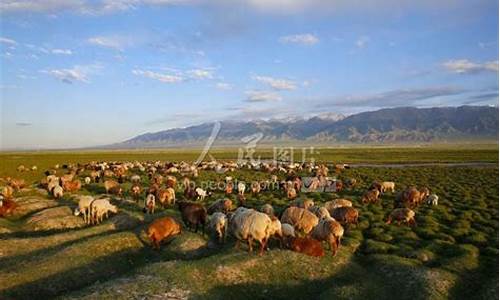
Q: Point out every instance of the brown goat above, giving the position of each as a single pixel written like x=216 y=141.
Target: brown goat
x=193 y=214
x=345 y=215
x=162 y=229
x=370 y=196
x=72 y=186
x=307 y=246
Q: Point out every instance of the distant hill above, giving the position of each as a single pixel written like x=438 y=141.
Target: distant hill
x=394 y=125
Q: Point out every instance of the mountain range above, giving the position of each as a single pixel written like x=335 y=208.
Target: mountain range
x=393 y=125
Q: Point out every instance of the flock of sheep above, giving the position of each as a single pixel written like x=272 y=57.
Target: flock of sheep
x=302 y=226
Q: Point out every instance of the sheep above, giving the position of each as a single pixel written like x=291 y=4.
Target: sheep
x=350 y=183
x=411 y=196
x=291 y=193
x=432 y=199
x=218 y=225
x=99 y=208
x=402 y=215
x=306 y=203
x=221 y=205
x=72 y=186
x=193 y=214
x=135 y=178
x=166 y=196
x=136 y=190
x=376 y=186
x=229 y=188
x=57 y=191
x=388 y=186
x=150 y=204
x=320 y=211
x=201 y=194
x=330 y=231
x=95 y=175
x=109 y=185
x=84 y=208
x=307 y=246
x=7 y=192
x=87 y=180
x=333 y=204
x=16 y=184
x=287 y=230
x=370 y=196
x=162 y=229
x=171 y=182
x=267 y=209
x=300 y=218
x=255 y=187
x=345 y=215
x=248 y=224
x=7 y=206
x=241 y=188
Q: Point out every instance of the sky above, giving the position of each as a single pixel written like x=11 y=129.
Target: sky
x=79 y=73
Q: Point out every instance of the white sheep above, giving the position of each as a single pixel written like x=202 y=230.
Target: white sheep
x=320 y=212
x=135 y=178
x=200 y=194
x=150 y=204
x=248 y=225
x=218 y=224
x=432 y=199
x=57 y=191
x=87 y=180
x=100 y=208
x=241 y=188
x=84 y=207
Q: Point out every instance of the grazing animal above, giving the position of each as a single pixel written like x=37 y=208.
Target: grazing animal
x=307 y=246
x=267 y=209
x=287 y=230
x=193 y=215
x=166 y=196
x=412 y=197
x=57 y=191
x=221 y=205
x=136 y=191
x=345 y=215
x=135 y=179
x=84 y=208
x=300 y=218
x=87 y=180
x=110 y=184
x=302 y=203
x=291 y=193
x=162 y=229
x=330 y=231
x=255 y=187
x=402 y=215
x=376 y=186
x=248 y=225
x=320 y=212
x=7 y=206
x=16 y=184
x=150 y=204
x=370 y=196
x=388 y=186
x=241 y=188
x=100 y=208
x=432 y=199
x=333 y=204
x=7 y=192
x=171 y=182
x=201 y=194
x=218 y=225
x=229 y=187
x=72 y=186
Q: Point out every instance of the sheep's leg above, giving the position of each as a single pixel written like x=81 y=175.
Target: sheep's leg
x=250 y=245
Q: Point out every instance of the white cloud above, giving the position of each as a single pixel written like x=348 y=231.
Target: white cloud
x=303 y=39
x=276 y=83
x=223 y=86
x=77 y=73
x=200 y=74
x=113 y=42
x=7 y=41
x=166 y=78
x=464 y=66
x=262 y=96
x=62 y=51
x=362 y=41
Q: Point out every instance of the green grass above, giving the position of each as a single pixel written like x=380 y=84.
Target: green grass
x=451 y=253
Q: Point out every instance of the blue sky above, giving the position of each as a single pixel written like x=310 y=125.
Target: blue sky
x=82 y=73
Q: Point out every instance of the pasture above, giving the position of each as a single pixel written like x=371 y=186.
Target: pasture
x=452 y=252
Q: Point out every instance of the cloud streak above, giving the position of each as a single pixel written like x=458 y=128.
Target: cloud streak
x=306 y=39
x=262 y=96
x=276 y=83
x=465 y=66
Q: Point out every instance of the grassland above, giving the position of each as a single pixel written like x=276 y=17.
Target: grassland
x=451 y=253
